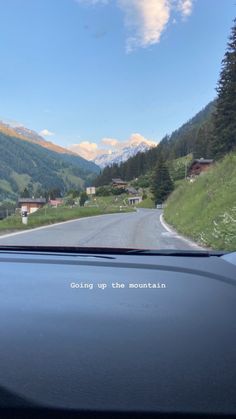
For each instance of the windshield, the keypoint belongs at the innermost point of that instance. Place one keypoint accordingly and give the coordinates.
(118, 124)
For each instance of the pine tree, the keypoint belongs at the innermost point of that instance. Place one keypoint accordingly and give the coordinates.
(83, 198)
(161, 185)
(25, 193)
(225, 116)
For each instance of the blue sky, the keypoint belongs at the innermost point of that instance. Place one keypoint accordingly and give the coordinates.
(92, 69)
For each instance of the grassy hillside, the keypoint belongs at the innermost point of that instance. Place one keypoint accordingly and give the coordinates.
(205, 210)
(178, 167)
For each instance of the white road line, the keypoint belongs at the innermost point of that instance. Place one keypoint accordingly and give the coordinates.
(176, 235)
(54, 225)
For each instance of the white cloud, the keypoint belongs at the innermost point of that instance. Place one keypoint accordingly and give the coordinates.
(86, 149)
(146, 20)
(115, 144)
(137, 138)
(112, 142)
(46, 133)
(185, 6)
(90, 150)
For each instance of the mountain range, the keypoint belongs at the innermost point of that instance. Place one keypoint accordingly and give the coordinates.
(192, 138)
(28, 161)
(114, 151)
(26, 134)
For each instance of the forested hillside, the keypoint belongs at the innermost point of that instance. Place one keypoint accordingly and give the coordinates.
(205, 210)
(194, 137)
(24, 164)
(209, 134)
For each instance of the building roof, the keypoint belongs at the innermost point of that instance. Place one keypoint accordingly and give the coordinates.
(118, 181)
(132, 190)
(202, 161)
(32, 200)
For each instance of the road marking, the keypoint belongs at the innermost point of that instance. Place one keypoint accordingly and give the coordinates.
(174, 233)
(31, 230)
(167, 234)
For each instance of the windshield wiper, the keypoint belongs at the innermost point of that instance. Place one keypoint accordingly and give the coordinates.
(111, 251)
(169, 252)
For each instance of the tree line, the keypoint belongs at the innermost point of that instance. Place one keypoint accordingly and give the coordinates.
(210, 134)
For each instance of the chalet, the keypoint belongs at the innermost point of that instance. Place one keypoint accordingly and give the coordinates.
(31, 204)
(199, 166)
(119, 183)
(131, 190)
(134, 200)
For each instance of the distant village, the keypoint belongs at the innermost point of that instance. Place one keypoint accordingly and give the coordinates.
(135, 196)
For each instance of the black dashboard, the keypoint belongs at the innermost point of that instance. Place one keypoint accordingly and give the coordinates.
(102, 335)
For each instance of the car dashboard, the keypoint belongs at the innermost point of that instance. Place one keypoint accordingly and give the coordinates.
(110, 334)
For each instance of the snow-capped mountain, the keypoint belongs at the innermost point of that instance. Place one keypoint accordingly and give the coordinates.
(121, 155)
(114, 151)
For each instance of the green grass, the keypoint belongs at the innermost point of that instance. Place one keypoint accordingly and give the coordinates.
(178, 167)
(146, 203)
(110, 202)
(48, 215)
(205, 210)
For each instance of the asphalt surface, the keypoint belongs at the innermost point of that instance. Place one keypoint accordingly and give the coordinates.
(141, 229)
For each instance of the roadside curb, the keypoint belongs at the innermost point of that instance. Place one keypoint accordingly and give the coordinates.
(177, 235)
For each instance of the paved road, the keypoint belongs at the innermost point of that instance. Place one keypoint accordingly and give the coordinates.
(141, 229)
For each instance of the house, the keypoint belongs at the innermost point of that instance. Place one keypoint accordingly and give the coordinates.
(31, 204)
(134, 200)
(91, 190)
(55, 202)
(199, 166)
(131, 190)
(119, 183)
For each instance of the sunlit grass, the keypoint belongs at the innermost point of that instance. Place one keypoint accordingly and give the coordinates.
(205, 210)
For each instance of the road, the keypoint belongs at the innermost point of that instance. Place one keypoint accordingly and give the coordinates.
(141, 229)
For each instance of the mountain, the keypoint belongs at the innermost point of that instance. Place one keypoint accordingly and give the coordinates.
(117, 151)
(123, 154)
(27, 134)
(28, 161)
(194, 137)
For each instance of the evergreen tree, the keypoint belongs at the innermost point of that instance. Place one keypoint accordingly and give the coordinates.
(225, 116)
(25, 193)
(200, 146)
(83, 198)
(161, 185)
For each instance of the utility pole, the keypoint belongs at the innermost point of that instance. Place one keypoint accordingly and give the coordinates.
(185, 172)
